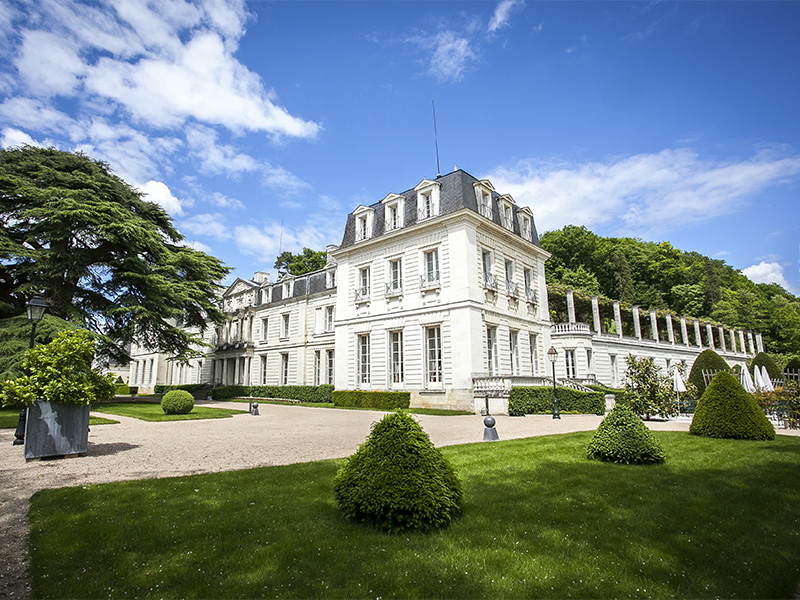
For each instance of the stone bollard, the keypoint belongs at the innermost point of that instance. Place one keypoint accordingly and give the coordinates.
(254, 410)
(490, 433)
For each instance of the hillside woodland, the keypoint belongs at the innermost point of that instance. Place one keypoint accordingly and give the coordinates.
(659, 276)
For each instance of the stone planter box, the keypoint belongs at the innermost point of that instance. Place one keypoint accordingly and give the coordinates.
(56, 429)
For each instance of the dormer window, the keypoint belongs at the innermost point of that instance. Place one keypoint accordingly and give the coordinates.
(427, 199)
(364, 219)
(483, 194)
(394, 205)
(526, 223)
(506, 204)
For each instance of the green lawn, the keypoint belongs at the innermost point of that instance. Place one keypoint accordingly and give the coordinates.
(720, 518)
(10, 416)
(152, 412)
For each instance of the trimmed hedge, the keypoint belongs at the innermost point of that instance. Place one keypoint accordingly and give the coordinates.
(188, 387)
(177, 402)
(726, 410)
(380, 399)
(707, 360)
(539, 400)
(622, 437)
(301, 393)
(127, 390)
(398, 480)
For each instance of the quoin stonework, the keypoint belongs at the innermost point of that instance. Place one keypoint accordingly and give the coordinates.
(440, 291)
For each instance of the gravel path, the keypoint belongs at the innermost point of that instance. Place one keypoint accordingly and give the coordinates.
(135, 449)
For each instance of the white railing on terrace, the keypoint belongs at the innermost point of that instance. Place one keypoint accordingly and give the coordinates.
(429, 280)
(563, 328)
(500, 385)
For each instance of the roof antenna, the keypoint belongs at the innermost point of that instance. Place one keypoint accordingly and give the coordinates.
(436, 139)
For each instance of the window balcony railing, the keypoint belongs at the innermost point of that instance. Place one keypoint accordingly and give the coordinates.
(429, 280)
(507, 223)
(426, 212)
(362, 295)
(361, 235)
(486, 211)
(394, 288)
(512, 289)
(530, 295)
(489, 282)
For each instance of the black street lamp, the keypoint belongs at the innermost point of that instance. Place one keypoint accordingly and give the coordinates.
(35, 307)
(552, 354)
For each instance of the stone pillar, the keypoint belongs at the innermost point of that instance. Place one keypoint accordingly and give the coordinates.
(733, 340)
(670, 332)
(742, 347)
(750, 342)
(598, 326)
(697, 335)
(654, 324)
(224, 371)
(684, 332)
(617, 319)
(759, 343)
(637, 326)
(710, 336)
(570, 306)
(721, 333)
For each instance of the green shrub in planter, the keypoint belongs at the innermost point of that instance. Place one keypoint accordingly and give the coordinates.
(177, 402)
(398, 480)
(726, 410)
(622, 437)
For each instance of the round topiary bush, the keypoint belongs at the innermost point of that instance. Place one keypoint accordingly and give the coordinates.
(397, 480)
(762, 359)
(177, 402)
(707, 360)
(726, 410)
(622, 437)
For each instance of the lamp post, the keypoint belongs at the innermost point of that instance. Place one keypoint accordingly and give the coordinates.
(552, 354)
(35, 307)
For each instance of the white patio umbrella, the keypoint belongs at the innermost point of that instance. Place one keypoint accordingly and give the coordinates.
(747, 381)
(678, 386)
(757, 380)
(768, 387)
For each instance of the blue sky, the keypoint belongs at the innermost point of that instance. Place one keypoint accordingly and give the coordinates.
(260, 125)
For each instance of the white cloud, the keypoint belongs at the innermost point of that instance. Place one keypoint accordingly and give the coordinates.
(49, 64)
(200, 246)
(502, 13)
(217, 158)
(224, 201)
(211, 225)
(12, 137)
(767, 272)
(645, 192)
(451, 56)
(158, 192)
(281, 179)
(27, 112)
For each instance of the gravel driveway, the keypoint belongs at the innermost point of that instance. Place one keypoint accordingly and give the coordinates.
(135, 449)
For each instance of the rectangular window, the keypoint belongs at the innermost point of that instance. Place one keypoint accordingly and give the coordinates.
(614, 373)
(330, 279)
(396, 358)
(433, 339)
(317, 366)
(534, 354)
(329, 367)
(285, 327)
(393, 218)
(263, 370)
(486, 206)
(488, 276)
(284, 369)
(329, 319)
(513, 350)
(589, 365)
(361, 228)
(395, 284)
(426, 209)
(362, 289)
(530, 293)
(569, 357)
(511, 286)
(491, 351)
(363, 359)
(431, 269)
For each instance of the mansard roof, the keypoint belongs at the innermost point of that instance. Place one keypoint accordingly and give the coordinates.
(456, 192)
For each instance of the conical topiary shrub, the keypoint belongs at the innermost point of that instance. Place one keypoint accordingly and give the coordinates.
(397, 480)
(622, 437)
(793, 366)
(707, 360)
(726, 410)
(762, 359)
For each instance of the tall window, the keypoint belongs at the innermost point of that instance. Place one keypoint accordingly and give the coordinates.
(431, 273)
(395, 283)
(362, 289)
(285, 326)
(534, 354)
(569, 357)
(433, 342)
(317, 366)
(329, 318)
(393, 217)
(363, 359)
(488, 276)
(362, 232)
(589, 365)
(491, 351)
(486, 205)
(614, 371)
(263, 370)
(329, 366)
(396, 358)
(264, 329)
(530, 293)
(513, 350)
(511, 286)
(284, 369)
(426, 209)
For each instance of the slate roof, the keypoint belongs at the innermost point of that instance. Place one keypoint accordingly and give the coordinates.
(456, 192)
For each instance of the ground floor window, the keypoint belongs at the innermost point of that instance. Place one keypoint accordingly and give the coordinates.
(317, 366)
(433, 339)
(263, 370)
(491, 351)
(363, 359)
(569, 356)
(330, 363)
(396, 356)
(534, 354)
(284, 369)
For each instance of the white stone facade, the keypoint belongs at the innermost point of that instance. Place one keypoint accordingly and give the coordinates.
(439, 291)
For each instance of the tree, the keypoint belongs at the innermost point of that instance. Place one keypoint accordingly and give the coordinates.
(581, 279)
(104, 258)
(15, 339)
(648, 391)
(300, 264)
